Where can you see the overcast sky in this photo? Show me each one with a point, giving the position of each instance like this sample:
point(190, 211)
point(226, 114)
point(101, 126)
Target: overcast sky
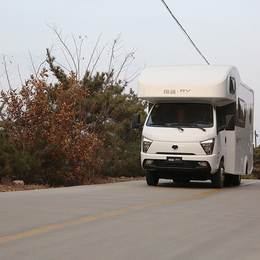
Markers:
point(226, 32)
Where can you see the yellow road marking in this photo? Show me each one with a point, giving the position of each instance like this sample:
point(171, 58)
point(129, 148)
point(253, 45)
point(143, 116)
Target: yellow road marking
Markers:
point(45, 229)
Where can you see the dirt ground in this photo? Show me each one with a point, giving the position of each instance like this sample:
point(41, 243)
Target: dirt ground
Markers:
point(9, 186)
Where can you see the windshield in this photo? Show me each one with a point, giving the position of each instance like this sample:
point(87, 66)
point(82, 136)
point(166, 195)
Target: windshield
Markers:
point(181, 114)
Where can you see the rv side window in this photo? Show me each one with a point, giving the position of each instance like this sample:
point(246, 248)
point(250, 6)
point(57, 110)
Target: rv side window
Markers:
point(181, 114)
point(232, 85)
point(251, 114)
point(241, 112)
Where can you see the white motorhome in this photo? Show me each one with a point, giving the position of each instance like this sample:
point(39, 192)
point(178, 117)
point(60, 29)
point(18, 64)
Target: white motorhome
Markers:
point(199, 125)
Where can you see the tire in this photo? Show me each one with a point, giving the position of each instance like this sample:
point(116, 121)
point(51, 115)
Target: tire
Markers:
point(185, 181)
point(177, 180)
point(228, 180)
point(232, 180)
point(218, 178)
point(236, 180)
point(152, 178)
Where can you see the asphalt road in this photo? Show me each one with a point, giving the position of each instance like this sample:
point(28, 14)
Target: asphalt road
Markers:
point(131, 220)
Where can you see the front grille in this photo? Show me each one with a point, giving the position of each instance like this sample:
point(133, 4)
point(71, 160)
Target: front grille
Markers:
point(166, 164)
point(175, 166)
point(176, 153)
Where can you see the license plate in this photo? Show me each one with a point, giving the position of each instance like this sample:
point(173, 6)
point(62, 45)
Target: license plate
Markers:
point(177, 160)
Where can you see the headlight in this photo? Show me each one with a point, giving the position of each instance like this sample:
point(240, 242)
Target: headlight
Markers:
point(208, 146)
point(146, 144)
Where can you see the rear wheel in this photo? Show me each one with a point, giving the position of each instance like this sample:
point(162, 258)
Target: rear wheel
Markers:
point(181, 180)
point(218, 178)
point(152, 178)
point(236, 180)
point(176, 180)
point(231, 179)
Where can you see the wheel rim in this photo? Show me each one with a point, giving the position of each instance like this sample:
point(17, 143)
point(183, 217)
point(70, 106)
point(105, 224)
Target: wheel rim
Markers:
point(222, 173)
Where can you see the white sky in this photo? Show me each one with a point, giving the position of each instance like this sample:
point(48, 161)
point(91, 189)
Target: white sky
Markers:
point(226, 32)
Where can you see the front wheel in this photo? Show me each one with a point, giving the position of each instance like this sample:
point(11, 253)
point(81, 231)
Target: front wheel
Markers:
point(152, 178)
point(218, 178)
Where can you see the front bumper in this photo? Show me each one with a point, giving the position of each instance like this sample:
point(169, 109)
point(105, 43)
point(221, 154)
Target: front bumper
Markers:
point(189, 163)
point(184, 166)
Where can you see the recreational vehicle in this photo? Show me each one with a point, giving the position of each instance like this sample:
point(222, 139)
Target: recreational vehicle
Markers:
point(199, 124)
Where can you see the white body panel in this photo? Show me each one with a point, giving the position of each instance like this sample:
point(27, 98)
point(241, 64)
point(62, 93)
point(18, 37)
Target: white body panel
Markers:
point(203, 83)
point(188, 143)
point(200, 84)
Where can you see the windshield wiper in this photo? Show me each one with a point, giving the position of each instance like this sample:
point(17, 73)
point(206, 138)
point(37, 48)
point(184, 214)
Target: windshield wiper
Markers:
point(180, 125)
point(197, 126)
point(192, 125)
point(175, 125)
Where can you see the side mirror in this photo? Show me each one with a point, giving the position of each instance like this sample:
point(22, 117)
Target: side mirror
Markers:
point(221, 128)
point(136, 122)
point(230, 126)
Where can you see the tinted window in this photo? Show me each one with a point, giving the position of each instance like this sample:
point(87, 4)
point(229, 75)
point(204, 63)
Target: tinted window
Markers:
point(241, 113)
point(232, 85)
point(251, 114)
point(186, 115)
point(223, 111)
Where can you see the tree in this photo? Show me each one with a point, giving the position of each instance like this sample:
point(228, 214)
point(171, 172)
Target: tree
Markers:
point(48, 130)
point(108, 111)
point(78, 127)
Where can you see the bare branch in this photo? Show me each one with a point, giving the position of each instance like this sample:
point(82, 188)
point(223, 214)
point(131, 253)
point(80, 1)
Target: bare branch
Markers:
point(63, 42)
point(132, 77)
point(37, 70)
point(19, 72)
point(93, 52)
point(129, 57)
point(97, 59)
point(65, 56)
point(6, 73)
point(32, 63)
point(78, 52)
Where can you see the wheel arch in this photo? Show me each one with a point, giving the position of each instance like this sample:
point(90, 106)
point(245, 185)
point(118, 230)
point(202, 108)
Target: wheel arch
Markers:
point(245, 169)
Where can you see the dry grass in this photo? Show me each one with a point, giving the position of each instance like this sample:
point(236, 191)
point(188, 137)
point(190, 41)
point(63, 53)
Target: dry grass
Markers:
point(15, 187)
point(249, 176)
point(9, 186)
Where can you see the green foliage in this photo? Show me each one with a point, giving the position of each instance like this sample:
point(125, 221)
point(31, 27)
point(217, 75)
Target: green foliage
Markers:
point(17, 165)
point(71, 131)
point(108, 112)
point(256, 170)
point(43, 140)
point(75, 129)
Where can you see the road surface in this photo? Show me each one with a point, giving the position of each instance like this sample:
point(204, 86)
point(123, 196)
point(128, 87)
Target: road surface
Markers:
point(131, 220)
